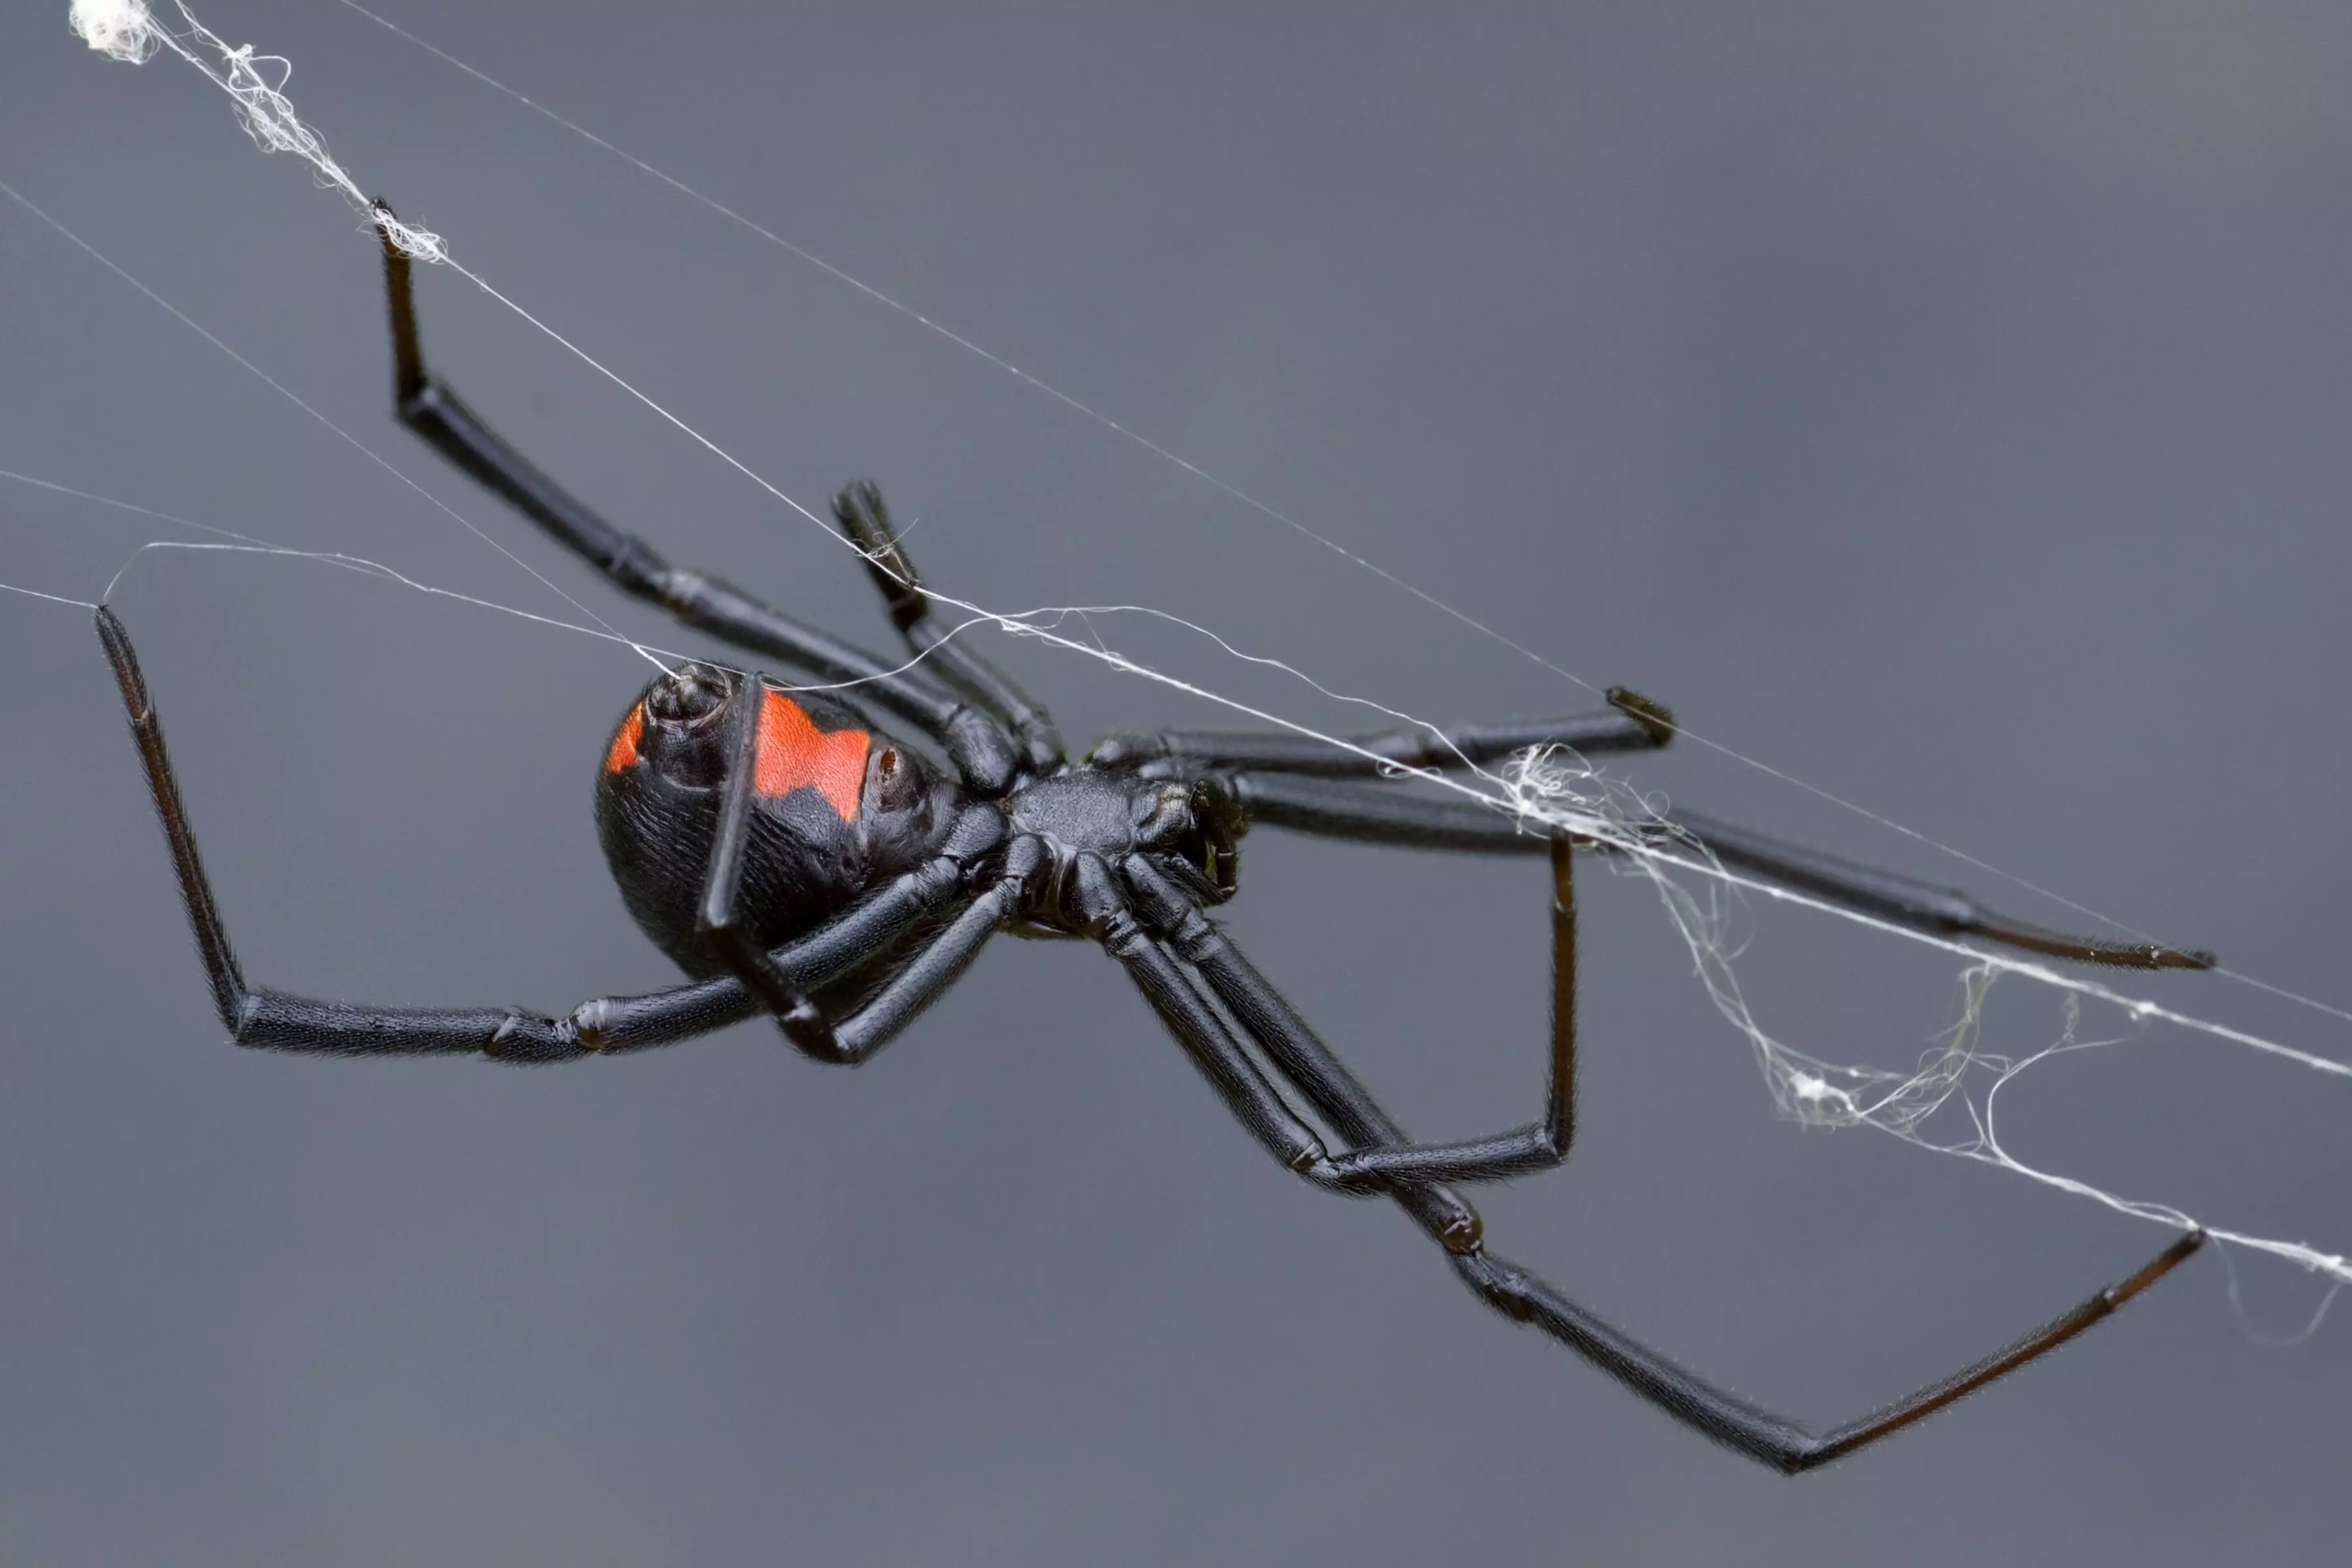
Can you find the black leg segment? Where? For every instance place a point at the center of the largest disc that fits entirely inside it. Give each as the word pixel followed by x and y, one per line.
pixel 858 511
pixel 1295 1049
pixel 1187 1014
pixel 1197 947
pixel 1747 1429
pixel 1383 1159
pixel 1371 813
pixel 276 1020
pixel 918 983
pixel 1632 723
pixel 974 741
pixel 1539 1145
pixel 1905 902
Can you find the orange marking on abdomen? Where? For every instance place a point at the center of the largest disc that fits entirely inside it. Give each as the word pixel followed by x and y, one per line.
pixel 624 753
pixel 794 751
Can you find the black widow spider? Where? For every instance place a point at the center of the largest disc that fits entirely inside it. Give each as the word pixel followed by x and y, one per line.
pixel 793 859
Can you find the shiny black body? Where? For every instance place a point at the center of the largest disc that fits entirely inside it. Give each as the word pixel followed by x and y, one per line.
pixel 842 903
pixel 803 862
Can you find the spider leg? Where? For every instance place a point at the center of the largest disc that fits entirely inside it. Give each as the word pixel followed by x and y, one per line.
pixel 1631 724
pixel 865 522
pixel 973 739
pixel 1747 1429
pixel 723 877
pixel 276 1020
pixel 1372 814
pixel 1200 948
pixel 1905 901
pixel 918 982
pixel 1381 1161
pixel 1189 1017
pixel 1369 814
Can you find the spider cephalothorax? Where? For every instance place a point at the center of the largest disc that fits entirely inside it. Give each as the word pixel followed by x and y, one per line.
pixel 799 863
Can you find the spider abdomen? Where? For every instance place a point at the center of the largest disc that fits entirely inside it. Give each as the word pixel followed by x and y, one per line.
pixel 835 805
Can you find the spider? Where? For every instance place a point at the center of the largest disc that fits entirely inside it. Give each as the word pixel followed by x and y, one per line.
pixel 796 861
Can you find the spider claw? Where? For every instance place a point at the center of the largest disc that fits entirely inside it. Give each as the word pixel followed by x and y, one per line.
pixel 2162 1264
pixel 125 660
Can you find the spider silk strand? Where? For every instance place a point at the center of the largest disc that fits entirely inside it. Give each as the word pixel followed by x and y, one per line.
pixel 1542 789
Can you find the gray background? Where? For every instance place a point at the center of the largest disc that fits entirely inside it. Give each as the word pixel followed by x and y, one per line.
pixel 1947 404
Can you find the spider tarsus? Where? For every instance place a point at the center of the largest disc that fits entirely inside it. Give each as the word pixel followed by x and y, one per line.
pixel 119 654
pixel 2119 955
pixel 408 378
pixel 864 519
pixel 381 211
pixel 2158 1267
pixel 1656 719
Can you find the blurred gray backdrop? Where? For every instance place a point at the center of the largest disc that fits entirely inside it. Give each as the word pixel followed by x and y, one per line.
pixel 1944 404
